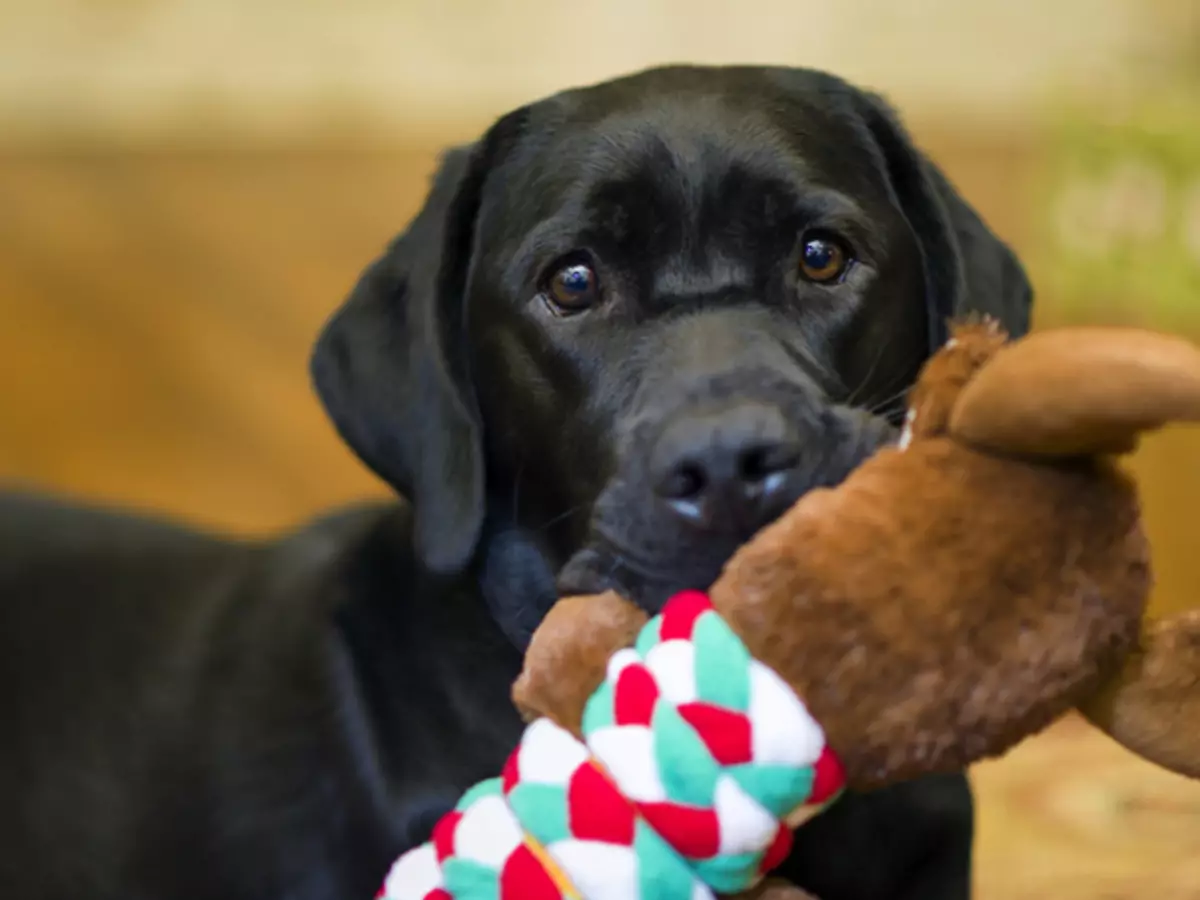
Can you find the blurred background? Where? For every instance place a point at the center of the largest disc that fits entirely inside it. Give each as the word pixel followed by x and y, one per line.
pixel 188 187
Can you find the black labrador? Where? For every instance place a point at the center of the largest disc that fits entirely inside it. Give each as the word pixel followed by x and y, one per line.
pixel 630 325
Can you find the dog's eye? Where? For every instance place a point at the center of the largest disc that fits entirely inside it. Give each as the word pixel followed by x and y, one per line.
pixel 573 287
pixel 823 259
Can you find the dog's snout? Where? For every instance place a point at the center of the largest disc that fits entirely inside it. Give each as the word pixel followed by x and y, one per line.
pixel 726 467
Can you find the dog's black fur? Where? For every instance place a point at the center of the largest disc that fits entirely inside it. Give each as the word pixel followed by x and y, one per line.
pixel 193 718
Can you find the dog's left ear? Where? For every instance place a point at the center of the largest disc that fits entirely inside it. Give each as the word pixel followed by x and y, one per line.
pixel 392 369
pixel 968 269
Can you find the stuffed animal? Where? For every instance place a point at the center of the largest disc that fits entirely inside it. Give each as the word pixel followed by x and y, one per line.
pixel 958 593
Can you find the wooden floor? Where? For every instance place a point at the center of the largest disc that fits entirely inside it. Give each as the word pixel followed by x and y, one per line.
pixel 156 312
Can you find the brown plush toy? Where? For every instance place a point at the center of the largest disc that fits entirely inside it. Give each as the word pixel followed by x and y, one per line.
pixel 964 589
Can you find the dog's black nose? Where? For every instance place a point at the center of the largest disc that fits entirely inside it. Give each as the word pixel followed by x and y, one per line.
pixel 728 467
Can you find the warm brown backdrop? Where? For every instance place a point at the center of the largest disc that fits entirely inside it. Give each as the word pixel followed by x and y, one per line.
pixel 188 188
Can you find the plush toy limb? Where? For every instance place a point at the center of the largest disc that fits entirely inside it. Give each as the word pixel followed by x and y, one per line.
pixel 578 636
pixel 1152 706
pixel 1078 391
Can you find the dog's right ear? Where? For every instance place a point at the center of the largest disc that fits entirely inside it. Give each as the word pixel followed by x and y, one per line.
pixel 391 367
pixel 968 268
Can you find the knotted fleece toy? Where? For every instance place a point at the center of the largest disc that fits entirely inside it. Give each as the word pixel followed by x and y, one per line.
pixel 692 756
pixel 955 595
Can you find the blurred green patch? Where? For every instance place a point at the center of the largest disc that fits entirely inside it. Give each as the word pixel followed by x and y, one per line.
pixel 1118 219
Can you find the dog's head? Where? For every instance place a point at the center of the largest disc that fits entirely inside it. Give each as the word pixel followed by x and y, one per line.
pixel 636 321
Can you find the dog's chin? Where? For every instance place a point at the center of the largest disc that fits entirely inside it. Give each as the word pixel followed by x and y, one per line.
pixel 595 570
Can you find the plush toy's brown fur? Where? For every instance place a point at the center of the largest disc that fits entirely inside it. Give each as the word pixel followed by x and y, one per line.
pixel 1152 707
pixel 959 592
pixel 921 629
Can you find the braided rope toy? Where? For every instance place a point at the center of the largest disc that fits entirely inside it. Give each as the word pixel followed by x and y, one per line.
pixel 696 762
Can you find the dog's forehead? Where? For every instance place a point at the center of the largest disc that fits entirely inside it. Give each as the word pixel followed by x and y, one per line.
pixel 659 139
pixel 696 135
pixel 691 133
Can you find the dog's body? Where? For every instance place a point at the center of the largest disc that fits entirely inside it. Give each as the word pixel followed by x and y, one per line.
pixel 629 327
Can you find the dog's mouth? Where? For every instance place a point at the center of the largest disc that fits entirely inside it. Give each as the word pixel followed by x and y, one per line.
pixel 648 561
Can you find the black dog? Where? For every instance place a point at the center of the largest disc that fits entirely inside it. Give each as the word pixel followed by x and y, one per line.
pixel 630 326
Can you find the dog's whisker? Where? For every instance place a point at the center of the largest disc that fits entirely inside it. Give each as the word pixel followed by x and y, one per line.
pixel 883 345
pixel 554 520
pixel 623 558
pixel 898 384
pixel 617 563
pixel 887 407
pixel 899 397
pixel 889 413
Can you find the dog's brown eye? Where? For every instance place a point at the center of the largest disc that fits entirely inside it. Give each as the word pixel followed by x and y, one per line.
pixel 823 259
pixel 574 287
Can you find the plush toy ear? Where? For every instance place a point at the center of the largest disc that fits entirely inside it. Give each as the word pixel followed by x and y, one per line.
pixel 1152 706
pixel 1079 391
